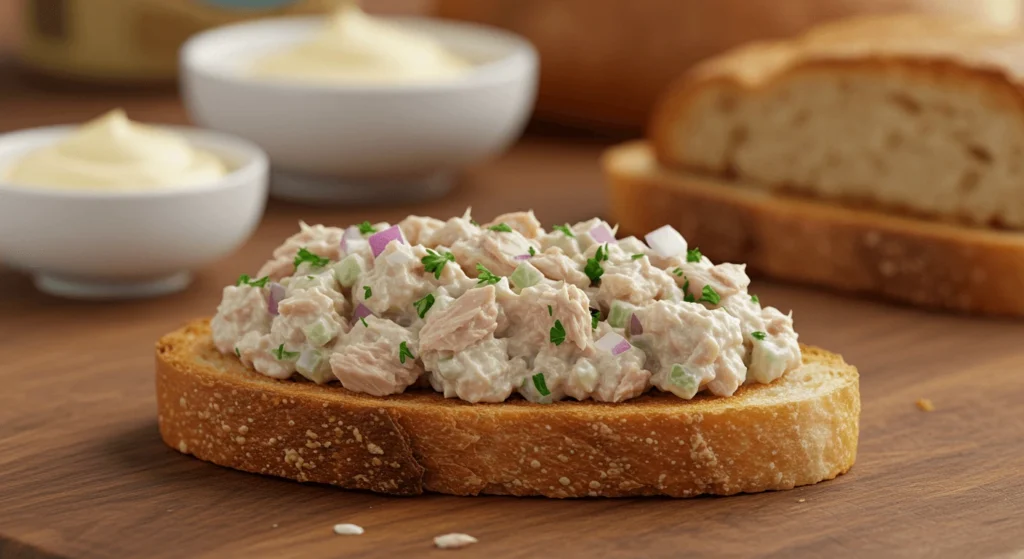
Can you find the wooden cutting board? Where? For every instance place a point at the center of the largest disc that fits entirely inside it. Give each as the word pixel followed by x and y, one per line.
pixel 83 472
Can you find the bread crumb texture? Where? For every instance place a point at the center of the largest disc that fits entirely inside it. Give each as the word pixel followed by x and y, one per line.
pixel 924 404
pixel 454 541
pixel 799 430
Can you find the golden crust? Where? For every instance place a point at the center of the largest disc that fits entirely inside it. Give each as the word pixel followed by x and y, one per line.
pixel 799 430
pixel 913 261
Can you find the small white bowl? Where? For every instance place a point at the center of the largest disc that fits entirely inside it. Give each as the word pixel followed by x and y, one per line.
pixel 362 142
pixel 117 245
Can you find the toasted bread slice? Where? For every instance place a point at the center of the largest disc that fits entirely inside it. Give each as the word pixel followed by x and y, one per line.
pixel 904 259
pixel 799 430
pixel 908 113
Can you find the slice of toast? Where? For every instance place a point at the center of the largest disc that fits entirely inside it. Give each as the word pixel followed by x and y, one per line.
pixel 799 430
pixel 904 259
pixel 914 114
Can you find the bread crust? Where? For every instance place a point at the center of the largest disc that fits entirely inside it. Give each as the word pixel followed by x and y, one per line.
pixel 799 430
pixel 903 259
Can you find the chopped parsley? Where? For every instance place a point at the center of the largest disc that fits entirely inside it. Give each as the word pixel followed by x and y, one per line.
pixel 435 262
pixel 693 255
pixel 238 353
pixel 363 320
pixel 687 296
pixel 501 228
pixel 541 385
pixel 557 333
pixel 245 280
pixel 404 353
pixel 565 229
pixel 678 272
pixel 305 256
pixel 473 221
pixel 532 251
pixel 595 316
pixel 755 299
pixel 367 292
pixel 486 277
pixel 637 256
pixel 759 335
pixel 593 268
pixel 365 228
pixel 310 277
pixel 282 354
pixel 551 311
pixel 709 295
pixel 424 304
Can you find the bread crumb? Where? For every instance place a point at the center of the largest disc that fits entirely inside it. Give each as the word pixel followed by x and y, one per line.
pixel 374 449
pixel 564 480
pixel 274 526
pixel 454 541
pixel 801 500
pixel 924 404
pixel 348 530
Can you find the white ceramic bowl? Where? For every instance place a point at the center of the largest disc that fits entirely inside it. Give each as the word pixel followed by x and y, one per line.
pixel 95 244
pixel 359 142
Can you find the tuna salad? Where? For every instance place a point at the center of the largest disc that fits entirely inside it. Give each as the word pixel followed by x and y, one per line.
pixel 479 312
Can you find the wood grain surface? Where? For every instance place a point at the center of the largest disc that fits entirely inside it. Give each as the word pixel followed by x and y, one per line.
pixel 83 472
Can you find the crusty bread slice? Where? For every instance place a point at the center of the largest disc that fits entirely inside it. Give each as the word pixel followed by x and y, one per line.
pixel 794 238
pixel 799 430
pixel 914 114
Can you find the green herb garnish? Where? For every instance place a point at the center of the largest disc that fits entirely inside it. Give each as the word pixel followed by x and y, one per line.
pixel 541 385
pixel 473 221
pixel 305 256
pixel 366 228
pixel 551 311
pixel 637 256
pixel 593 268
pixel 687 296
pixel 363 320
pixel 238 353
pixel 404 353
pixel 595 316
pixel 693 255
pixel 709 295
pixel 486 277
pixel 501 228
pixel 424 304
pixel 759 335
pixel 282 354
pixel 532 251
pixel 557 333
pixel 678 272
pixel 435 262
pixel 755 299
pixel 244 280
pixel 367 292
pixel 564 229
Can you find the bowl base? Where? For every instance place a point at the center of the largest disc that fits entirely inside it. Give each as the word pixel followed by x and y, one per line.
pixel 298 187
pixel 80 288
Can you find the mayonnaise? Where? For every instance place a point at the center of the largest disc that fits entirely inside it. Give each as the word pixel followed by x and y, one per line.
pixel 114 153
pixel 355 47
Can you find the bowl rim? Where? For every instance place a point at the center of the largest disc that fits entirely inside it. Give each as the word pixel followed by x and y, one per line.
pixel 522 56
pixel 253 168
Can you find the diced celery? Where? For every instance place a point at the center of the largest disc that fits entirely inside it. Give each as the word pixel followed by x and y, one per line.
pixel 348 270
pixel 318 333
pixel 525 275
pixel 619 313
pixel 312 366
pixel 685 383
pixel 449 368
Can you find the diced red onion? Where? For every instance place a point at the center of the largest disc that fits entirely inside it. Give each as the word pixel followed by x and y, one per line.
pixel 613 342
pixel 277 292
pixel 362 311
pixel 523 257
pixel 379 241
pixel 351 234
pixel 666 241
pixel 635 328
pixel 602 234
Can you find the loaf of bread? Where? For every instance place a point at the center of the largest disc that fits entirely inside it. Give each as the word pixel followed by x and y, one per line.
pixel 910 114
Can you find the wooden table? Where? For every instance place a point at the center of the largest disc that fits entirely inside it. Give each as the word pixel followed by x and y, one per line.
pixel 83 472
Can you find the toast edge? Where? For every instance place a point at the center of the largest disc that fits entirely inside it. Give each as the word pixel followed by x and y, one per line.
pixel 270 428
pixel 904 259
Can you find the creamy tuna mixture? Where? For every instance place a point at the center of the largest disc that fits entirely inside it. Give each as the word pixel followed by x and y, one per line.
pixel 479 312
